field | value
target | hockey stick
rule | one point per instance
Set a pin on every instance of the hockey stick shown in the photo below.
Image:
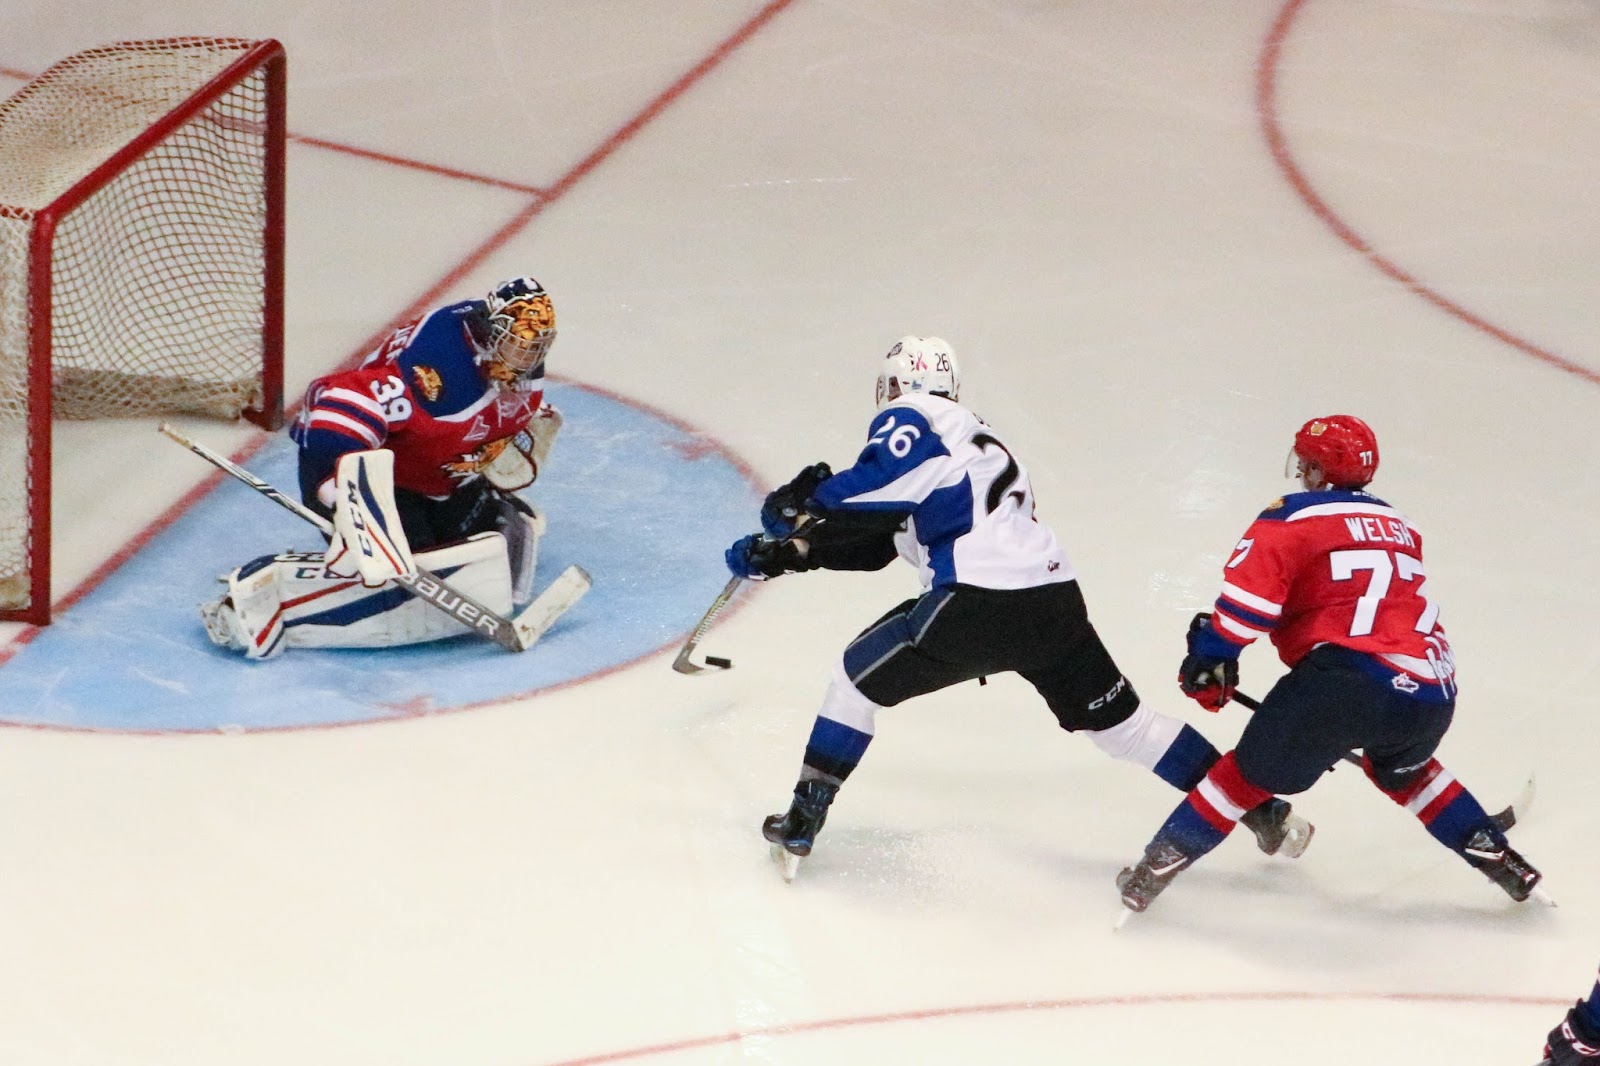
(682, 663)
(518, 634)
(1502, 821)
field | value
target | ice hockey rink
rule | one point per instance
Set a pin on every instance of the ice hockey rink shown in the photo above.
(1160, 234)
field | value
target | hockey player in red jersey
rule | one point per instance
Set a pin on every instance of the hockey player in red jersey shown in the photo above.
(456, 399)
(457, 395)
(1335, 577)
(1576, 1040)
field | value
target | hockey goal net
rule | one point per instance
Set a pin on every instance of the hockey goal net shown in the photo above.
(141, 259)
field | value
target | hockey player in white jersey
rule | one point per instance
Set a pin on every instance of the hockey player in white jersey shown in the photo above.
(937, 486)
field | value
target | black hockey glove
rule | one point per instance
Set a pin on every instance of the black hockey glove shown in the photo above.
(785, 508)
(1574, 1042)
(758, 557)
(1205, 677)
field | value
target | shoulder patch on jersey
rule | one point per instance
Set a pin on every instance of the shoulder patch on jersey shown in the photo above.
(427, 381)
(1277, 510)
(440, 352)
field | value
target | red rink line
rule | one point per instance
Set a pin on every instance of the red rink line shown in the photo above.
(1267, 109)
(540, 201)
(413, 164)
(992, 1009)
(367, 153)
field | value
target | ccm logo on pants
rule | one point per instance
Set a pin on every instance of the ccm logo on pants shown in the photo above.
(1122, 683)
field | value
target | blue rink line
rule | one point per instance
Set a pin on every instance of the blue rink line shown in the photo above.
(644, 505)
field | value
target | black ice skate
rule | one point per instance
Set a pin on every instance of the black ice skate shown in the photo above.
(1501, 864)
(1141, 884)
(792, 834)
(1574, 1042)
(1278, 830)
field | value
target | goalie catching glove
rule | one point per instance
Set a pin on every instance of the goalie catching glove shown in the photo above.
(1206, 677)
(368, 541)
(520, 458)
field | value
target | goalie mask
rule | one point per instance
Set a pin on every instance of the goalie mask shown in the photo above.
(1338, 452)
(516, 331)
(918, 365)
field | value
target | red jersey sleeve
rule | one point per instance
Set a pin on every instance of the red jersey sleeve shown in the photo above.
(1255, 583)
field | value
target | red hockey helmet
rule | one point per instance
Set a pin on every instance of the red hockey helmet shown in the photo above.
(1343, 446)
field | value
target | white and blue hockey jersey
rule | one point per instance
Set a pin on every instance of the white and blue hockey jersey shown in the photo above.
(968, 502)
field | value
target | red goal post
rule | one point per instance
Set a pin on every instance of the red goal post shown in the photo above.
(141, 259)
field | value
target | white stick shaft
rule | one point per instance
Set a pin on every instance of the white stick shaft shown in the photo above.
(228, 466)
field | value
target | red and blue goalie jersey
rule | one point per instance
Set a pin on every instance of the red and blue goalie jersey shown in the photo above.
(422, 395)
(1336, 567)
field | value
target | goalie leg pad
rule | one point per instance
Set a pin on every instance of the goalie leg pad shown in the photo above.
(291, 600)
(324, 612)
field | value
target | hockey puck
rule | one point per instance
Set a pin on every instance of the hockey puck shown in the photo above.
(718, 661)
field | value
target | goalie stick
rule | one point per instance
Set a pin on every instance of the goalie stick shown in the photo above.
(515, 634)
(1503, 821)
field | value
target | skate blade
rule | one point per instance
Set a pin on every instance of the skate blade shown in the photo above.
(1298, 838)
(1540, 896)
(788, 862)
(1122, 919)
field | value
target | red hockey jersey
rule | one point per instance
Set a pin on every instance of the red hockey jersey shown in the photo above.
(422, 395)
(1336, 567)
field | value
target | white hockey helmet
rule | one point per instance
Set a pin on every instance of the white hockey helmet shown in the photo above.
(924, 365)
(521, 328)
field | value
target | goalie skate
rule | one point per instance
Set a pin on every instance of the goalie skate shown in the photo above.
(226, 629)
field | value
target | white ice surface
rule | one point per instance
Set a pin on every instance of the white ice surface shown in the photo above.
(1079, 196)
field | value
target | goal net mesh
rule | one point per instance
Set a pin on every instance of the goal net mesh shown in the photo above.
(156, 278)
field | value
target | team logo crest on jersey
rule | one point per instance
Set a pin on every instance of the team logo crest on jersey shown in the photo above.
(427, 381)
(471, 464)
(1275, 504)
